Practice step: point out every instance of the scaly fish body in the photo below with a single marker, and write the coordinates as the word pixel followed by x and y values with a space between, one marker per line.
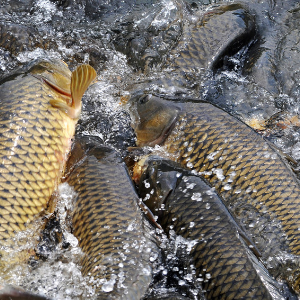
pixel 109 224
pixel 186 204
pixel 237 161
pixel 39 110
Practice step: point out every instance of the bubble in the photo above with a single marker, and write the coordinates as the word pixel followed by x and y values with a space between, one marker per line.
pixel 196 197
pixel 219 173
pixel 212 155
pixel 227 187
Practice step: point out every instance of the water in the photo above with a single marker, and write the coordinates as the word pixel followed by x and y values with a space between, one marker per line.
pixel 59 275
pixel 77 33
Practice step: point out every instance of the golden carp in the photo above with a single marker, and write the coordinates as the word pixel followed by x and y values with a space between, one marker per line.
pixel 237 161
pixel 40 106
pixel 119 251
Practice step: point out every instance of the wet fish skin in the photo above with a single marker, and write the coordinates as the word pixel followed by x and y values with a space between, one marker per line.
pixel 108 222
pixel 12 293
pixel 222 31
pixel 166 296
pixel 37 122
pixel 187 204
pixel 237 161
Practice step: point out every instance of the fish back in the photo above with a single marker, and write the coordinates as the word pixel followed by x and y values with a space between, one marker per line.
pixel 110 227
pixel 240 164
pixel 223 264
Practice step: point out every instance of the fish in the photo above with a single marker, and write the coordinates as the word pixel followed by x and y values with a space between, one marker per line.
pixel 187 204
pixel 167 296
pixel 119 250
pixel 40 105
pixel 221 31
pixel 239 163
pixel 9 292
pixel 193 50
pixel 16 38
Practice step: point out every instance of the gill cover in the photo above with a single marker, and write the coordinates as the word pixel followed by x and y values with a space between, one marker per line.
pixel 81 78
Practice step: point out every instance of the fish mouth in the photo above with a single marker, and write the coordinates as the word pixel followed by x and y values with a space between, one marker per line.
pixel 57 88
pixel 53 86
pixel 166 132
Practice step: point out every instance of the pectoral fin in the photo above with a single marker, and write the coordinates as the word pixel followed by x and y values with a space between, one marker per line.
pixel 81 78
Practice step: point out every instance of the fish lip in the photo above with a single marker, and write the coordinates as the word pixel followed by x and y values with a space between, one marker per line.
pixel 166 132
pixel 53 86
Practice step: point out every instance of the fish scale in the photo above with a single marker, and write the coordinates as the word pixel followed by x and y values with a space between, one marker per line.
pixel 257 165
pixel 206 41
pixel 109 225
pixel 223 264
pixel 20 188
pixel 35 138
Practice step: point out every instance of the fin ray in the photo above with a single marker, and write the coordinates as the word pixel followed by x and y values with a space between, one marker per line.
pixel 81 78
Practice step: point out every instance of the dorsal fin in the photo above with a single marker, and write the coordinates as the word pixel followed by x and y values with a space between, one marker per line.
pixel 81 78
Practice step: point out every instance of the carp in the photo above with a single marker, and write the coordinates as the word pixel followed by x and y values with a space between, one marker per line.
pixel 119 251
pixel 246 170
pixel 40 105
pixel 189 206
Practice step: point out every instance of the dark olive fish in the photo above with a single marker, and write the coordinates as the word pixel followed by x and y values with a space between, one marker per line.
pixel 237 161
pixel 188 205
pixel 221 31
pixel 11 293
pixel 17 38
pixel 204 43
pixel 108 223
pixel 40 106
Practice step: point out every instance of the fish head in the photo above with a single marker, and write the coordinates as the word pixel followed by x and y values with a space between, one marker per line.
pixel 84 147
pixel 53 71
pixel 157 178
pixel 68 86
pixel 153 118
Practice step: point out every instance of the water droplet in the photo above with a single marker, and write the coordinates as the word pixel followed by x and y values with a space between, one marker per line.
pixel 181 282
pixel 196 197
pixel 227 187
pixel 109 285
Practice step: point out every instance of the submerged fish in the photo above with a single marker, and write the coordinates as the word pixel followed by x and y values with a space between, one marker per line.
pixel 238 162
pixel 11 293
pixel 40 106
pixel 222 31
pixel 17 38
pixel 108 223
pixel 188 205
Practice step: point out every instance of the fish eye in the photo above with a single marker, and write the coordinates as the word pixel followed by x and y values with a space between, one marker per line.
pixel 144 99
